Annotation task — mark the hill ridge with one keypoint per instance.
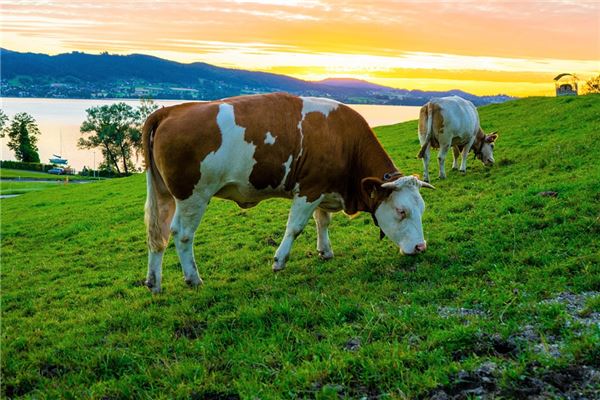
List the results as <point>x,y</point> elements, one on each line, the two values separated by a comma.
<point>82,75</point>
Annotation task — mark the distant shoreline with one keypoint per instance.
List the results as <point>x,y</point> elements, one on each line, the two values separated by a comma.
<point>116,99</point>
<point>78,75</point>
<point>133,99</point>
<point>99,98</point>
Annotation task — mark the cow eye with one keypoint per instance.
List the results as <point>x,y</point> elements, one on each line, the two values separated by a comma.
<point>401,213</point>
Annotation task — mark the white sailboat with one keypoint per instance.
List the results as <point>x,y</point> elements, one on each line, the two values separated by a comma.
<point>57,159</point>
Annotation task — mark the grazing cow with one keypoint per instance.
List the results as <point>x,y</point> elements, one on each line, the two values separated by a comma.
<point>317,152</point>
<point>453,121</point>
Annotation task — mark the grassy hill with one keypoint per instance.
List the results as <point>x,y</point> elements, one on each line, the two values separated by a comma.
<point>508,288</point>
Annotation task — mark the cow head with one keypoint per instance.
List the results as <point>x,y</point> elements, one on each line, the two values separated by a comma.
<point>486,152</point>
<point>398,210</point>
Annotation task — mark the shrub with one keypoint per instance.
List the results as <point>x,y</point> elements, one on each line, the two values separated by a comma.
<point>26,166</point>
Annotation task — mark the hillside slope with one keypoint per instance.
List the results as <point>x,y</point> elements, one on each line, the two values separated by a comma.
<point>77,321</point>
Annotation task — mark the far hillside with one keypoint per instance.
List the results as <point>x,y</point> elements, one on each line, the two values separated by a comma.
<point>80,75</point>
<point>505,302</point>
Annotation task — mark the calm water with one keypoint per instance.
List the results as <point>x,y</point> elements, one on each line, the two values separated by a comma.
<point>59,121</point>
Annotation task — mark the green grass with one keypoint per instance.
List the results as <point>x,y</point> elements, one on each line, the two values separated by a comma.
<point>77,322</point>
<point>16,187</point>
<point>24,174</point>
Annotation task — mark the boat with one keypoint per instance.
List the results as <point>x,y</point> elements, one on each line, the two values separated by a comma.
<point>58,160</point>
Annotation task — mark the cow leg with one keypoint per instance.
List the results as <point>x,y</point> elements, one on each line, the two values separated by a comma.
<point>456,154</point>
<point>465,154</point>
<point>156,249</point>
<point>426,156</point>
<point>322,219</point>
<point>299,216</point>
<point>159,210</point>
<point>188,214</point>
<point>442,160</point>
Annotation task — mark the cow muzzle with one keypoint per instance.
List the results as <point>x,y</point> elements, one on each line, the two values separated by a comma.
<point>418,249</point>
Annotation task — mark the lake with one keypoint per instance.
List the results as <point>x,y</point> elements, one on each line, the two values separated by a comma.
<point>59,121</point>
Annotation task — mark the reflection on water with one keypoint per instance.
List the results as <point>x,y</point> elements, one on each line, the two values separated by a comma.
<point>59,121</point>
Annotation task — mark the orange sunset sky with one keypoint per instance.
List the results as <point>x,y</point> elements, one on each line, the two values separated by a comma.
<point>483,47</point>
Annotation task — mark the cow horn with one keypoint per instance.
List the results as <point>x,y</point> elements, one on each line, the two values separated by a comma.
<point>426,185</point>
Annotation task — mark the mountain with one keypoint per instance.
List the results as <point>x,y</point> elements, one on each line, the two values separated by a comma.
<point>352,83</point>
<point>81,75</point>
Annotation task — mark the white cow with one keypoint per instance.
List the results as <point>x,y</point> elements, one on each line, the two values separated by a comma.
<point>453,122</point>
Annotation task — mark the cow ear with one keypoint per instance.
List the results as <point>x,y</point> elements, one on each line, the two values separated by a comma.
<point>372,190</point>
<point>371,186</point>
<point>491,137</point>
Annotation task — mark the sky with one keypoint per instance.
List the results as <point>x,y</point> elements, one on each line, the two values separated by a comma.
<point>482,47</point>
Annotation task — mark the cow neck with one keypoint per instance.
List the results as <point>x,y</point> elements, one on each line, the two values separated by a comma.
<point>478,143</point>
<point>371,161</point>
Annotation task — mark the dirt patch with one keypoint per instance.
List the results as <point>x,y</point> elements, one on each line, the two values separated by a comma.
<point>575,306</point>
<point>573,382</point>
<point>269,241</point>
<point>448,312</point>
<point>548,193</point>
<point>351,391</point>
<point>214,395</point>
<point>465,384</point>
<point>528,336</point>
<point>570,382</point>
<point>353,344</point>
<point>51,370</point>
<point>487,345</point>
<point>190,329</point>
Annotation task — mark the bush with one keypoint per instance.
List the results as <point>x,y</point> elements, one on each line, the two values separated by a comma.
<point>26,166</point>
<point>103,173</point>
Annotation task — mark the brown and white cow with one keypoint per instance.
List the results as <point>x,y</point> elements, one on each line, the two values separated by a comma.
<point>317,152</point>
<point>453,122</point>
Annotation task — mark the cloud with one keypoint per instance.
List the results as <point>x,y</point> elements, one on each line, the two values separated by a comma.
<point>283,3</point>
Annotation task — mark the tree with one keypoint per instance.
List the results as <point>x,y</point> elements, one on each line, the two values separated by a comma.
<point>3,120</point>
<point>116,129</point>
<point>23,132</point>
<point>146,107</point>
<point>593,85</point>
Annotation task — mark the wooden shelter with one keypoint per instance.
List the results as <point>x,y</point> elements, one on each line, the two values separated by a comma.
<point>566,85</point>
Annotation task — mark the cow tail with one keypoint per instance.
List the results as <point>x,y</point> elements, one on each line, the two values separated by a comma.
<point>158,198</point>
<point>428,132</point>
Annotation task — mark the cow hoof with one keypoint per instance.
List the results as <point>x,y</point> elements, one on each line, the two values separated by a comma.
<point>152,286</point>
<point>463,171</point>
<point>442,177</point>
<point>426,179</point>
<point>193,282</point>
<point>326,255</point>
<point>278,267</point>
